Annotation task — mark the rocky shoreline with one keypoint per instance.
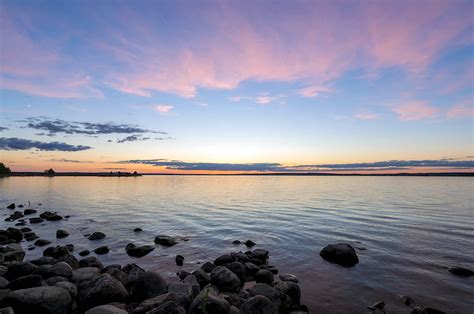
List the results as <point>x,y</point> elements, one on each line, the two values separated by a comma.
<point>66,281</point>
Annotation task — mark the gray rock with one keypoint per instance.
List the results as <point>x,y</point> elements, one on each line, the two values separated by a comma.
<point>202,278</point>
<point>251,269</point>
<point>146,285</point>
<point>61,233</point>
<point>59,269</point>
<point>288,277</point>
<point>106,309</point>
<point>96,236</point>
<point>53,280</point>
<point>45,260</point>
<point>264,276</point>
<point>223,259</point>
<point>179,260</point>
<point>461,271</point>
<point>225,280</point>
<point>118,274</point>
<point>25,282</point>
<point>281,302</point>
<point>3,282</point>
<point>340,253</point>
<point>257,305</point>
<point>208,267</point>
<point>191,280</point>
<point>165,240</point>
<point>238,269</point>
<point>291,289</point>
<point>85,273</point>
<point>139,251</point>
<point>40,300</point>
<point>69,286</point>
<point>151,303</point>
<point>20,269</point>
<point>101,290</point>
<point>102,250</point>
<point>90,261</point>
<point>169,307</point>
<point>42,242</point>
<point>183,293</point>
<point>70,259</point>
<point>208,301</point>
<point>250,243</point>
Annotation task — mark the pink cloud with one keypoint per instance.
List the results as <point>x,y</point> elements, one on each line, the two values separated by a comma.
<point>460,111</point>
<point>264,100</point>
<point>366,116</point>
<point>163,109</point>
<point>313,91</point>
<point>415,110</point>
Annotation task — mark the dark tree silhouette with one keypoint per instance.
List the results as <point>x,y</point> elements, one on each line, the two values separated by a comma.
<point>4,170</point>
<point>50,172</point>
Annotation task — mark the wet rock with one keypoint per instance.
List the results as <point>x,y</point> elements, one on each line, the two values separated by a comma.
<point>208,267</point>
<point>118,274</point>
<point>57,251</point>
<point>26,282</point>
<point>106,309</point>
<point>169,307</point>
<point>29,211</point>
<point>90,261</point>
<point>50,216</point>
<point>20,269</point>
<point>165,240</point>
<point>11,206</point>
<point>192,281</point>
<point>85,274</point>
<point>3,283</point>
<point>40,300</point>
<point>70,259</point>
<point>14,234</point>
<point>139,251</point>
<point>257,305</point>
<point>183,293</point>
<point>208,301</point>
<point>380,305</point>
<point>238,269</point>
<point>182,274</point>
<point>340,253</point>
<point>271,268</point>
<point>42,242</point>
<point>264,276</point>
<point>202,278</point>
<point>30,236</point>
<point>96,236</point>
<point>461,271</point>
<point>45,260</point>
<point>51,281</point>
<point>13,252</point>
<point>288,277</point>
<point>102,250</point>
<point>281,302</point>
<point>137,230</point>
<point>101,290</point>
<point>236,242</point>
<point>36,220</point>
<point>84,253</point>
<point>224,279</point>
<point>61,233</point>
<point>179,260</point>
<point>62,269</point>
<point>251,269</point>
<point>425,310</point>
<point>291,289</point>
<point>261,254</point>
<point>223,259</point>
<point>146,285</point>
<point>240,257</point>
<point>250,243</point>
<point>149,304</point>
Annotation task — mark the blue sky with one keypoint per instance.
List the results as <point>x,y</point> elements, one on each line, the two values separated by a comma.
<point>287,83</point>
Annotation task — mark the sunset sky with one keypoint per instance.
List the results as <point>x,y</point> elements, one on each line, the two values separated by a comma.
<point>246,86</point>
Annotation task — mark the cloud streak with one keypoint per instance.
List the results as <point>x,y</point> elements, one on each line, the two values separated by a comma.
<point>14,143</point>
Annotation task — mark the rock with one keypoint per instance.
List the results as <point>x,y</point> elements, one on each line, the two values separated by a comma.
<point>291,289</point>
<point>3,283</point>
<point>257,305</point>
<point>14,234</point>
<point>20,269</point>
<point>288,277</point>
<point>85,274</point>
<point>251,269</point>
<point>118,274</point>
<point>69,259</point>
<point>183,293</point>
<point>50,216</point>
<point>179,260</point>
<point>264,276</point>
<point>45,260</point>
<point>281,302</point>
<point>208,301</point>
<point>101,290</point>
<point>56,251</point>
<point>26,282</point>
<point>106,309</point>
<point>182,274</point>
<point>208,267</point>
<point>236,242</point>
<point>261,254</point>
<point>380,305</point>
<point>137,230</point>
<point>169,307</point>
<point>90,261</point>
<point>250,243</point>
<point>271,268</point>
<point>42,242</point>
<point>146,285</point>
<point>407,300</point>
<point>62,269</point>
<point>165,240</point>
<point>84,253</point>
<point>461,271</point>
<point>13,252</point>
<point>36,220</point>
<point>30,236</point>
<point>11,206</point>
<point>425,310</point>
<point>223,259</point>
<point>96,236</point>
<point>7,310</point>
<point>139,251</point>
<point>70,247</point>
<point>152,303</point>
<point>3,270</point>
<point>202,278</point>
<point>340,253</point>
<point>29,211</point>
<point>238,269</point>
<point>40,300</point>
<point>61,234</point>
<point>225,280</point>
<point>102,250</point>
<point>51,281</point>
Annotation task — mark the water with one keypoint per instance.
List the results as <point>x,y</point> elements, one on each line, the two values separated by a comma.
<point>411,229</point>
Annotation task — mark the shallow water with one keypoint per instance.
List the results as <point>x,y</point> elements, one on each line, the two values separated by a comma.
<point>411,229</point>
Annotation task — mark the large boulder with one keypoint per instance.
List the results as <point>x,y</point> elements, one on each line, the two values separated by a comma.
<point>25,282</point>
<point>85,274</point>
<point>20,269</point>
<point>165,240</point>
<point>281,302</point>
<point>69,286</point>
<point>59,269</point>
<point>201,277</point>
<point>257,305</point>
<point>183,293</point>
<point>145,285</point>
<point>91,261</point>
<point>264,276</point>
<point>106,309</point>
<point>149,304</point>
<point>40,300</point>
<point>340,253</point>
<point>225,280</point>
<point>291,289</point>
<point>208,301</point>
<point>101,290</point>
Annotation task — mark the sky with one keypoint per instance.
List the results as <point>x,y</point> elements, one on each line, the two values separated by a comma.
<point>237,86</point>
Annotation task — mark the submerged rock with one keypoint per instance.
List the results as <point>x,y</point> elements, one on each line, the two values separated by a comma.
<point>179,260</point>
<point>61,233</point>
<point>102,250</point>
<point>96,236</point>
<point>139,251</point>
<point>165,240</point>
<point>11,206</point>
<point>340,253</point>
<point>250,243</point>
<point>461,271</point>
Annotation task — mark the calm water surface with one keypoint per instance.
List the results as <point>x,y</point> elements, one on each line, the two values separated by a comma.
<point>411,229</point>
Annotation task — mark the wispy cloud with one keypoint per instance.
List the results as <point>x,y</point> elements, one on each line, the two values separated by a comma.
<point>460,110</point>
<point>163,109</point>
<point>365,115</point>
<point>415,110</point>
<point>314,91</point>
<point>235,98</point>
<point>72,161</point>
<point>14,143</point>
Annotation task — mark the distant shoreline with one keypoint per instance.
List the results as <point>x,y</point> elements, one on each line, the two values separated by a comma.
<point>100,174</point>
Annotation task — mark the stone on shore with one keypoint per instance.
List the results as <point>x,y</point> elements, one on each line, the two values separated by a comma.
<point>291,289</point>
<point>250,243</point>
<point>165,240</point>
<point>97,236</point>
<point>257,305</point>
<point>61,233</point>
<point>25,282</point>
<point>179,259</point>
<point>288,277</point>
<point>91,261</point>
<point>264,276</point>
<point>461,271</point>
<point>85,274</point>
<point>225,280</point>
<point>145,285</point>
<point>139,251</point>
<point>102,250</point>
<point>208,301</point>
<point>11,206</point>
<point>42,242</point>
<point>101,290</point>
<point>106,309</point>
<point>208,267</point>
<point>29,211</point>
<point>340,253</point>
<point>40,300</point>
